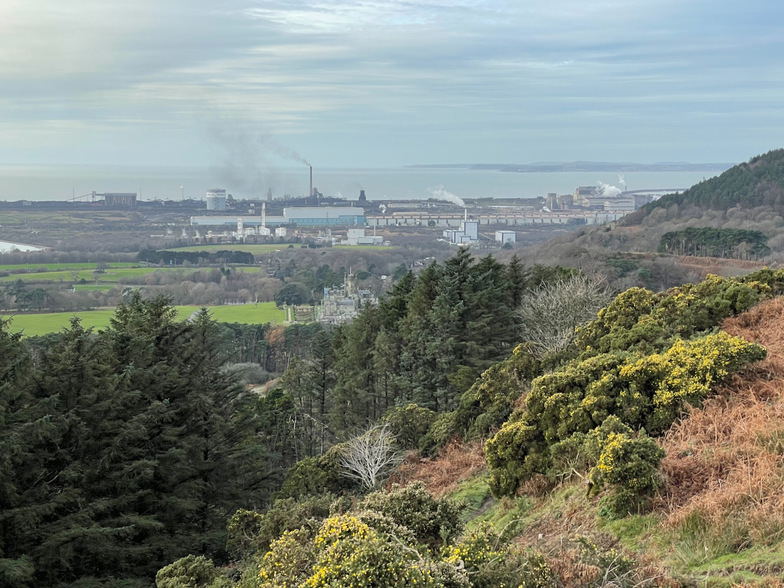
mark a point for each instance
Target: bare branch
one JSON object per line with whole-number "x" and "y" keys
{"x": 370, "y": 455}
{"x": 550, "y": 315}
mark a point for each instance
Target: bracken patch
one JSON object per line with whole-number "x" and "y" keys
{"x": 725, "y": 461}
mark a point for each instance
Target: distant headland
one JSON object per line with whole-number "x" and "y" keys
{"x": 583, "y": 166}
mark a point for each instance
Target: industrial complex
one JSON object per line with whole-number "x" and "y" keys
{"x": 587, "y": 205}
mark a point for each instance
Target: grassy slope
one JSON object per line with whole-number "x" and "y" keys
{"x": 44, "y": 323}
{"x": 718, "y": 520}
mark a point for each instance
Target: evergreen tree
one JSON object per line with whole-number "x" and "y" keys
{"x": 355, "y": 402}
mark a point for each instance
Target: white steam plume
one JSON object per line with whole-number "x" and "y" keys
{"x": 622, "y": 181}
{"x": 608, "y": 191}
{"x": 439, "y": 193}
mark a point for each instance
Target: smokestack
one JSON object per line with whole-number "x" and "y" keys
{"x": 263, "y": 214}
{"x": 311, "y": 181}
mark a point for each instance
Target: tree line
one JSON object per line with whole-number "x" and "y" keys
{"x": 710, "y": 242}
{"x": 760, "y": 182}
{"x": 125, "y": 449}
{"x": 166, "y": 257}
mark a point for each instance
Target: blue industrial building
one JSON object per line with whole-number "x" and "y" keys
{"x": 304, "y": 216}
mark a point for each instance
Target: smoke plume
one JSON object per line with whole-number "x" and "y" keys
{"x": 608, "y": 191}
{"x": 249, "y": 160}
{"x": 439, "y": 193}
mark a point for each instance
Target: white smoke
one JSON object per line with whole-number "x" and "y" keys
{"x": 439, "y": 193}
{"x": 622, "y": 181}
{"x": 608, "y": 191}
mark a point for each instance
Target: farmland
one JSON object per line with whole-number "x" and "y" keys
{"x": 127, "y": 273}
{"x": 266, "y": 248}
{"x": 44, "y": 323}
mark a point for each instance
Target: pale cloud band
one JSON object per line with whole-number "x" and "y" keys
{"x": 390, "y": 82}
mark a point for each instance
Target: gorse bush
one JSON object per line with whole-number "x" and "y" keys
{"x": 683, "y": 375}
{"x": 190, "y": 572}
{"x": 249, "y": 531}
{"x": 627, "y": 462}
{"x": 403, "y": 537}
{"x": 491, "y": 564}
{"x": 487, "y": 404}
{"x": 639, "y": 320}
{"x": 347, "y": 552}
{"x": 643, "y": 391}
{"x": 432, "y": 520}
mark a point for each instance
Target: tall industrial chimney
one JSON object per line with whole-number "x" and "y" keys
{"x": 311, "y": 181}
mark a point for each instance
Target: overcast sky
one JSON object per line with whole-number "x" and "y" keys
{"x": 359, "y": 83}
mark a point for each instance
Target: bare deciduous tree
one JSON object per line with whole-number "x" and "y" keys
{"x": 370, "y": 455}
{"x": 550, "y": 315}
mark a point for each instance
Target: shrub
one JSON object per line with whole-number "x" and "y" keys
{"x": 316, "y": 475}
{"x": 642, "y": 391}
{"x": 353, "y": 554}
{"x": 348, "y": 552}
{"x": 639, "y": 320}
{"x": 289, "y": 560}
{"x": 188, "y": 572}
{"x": 249, "y": 531}
{"x": 685, "y": 374}
{"x": 409, "y": 423}
{"x": 444, "y": 429}
{"x": 491, "y": 563}
{"x": 432, "y": 520}
{"x": 487, "y": 404}
{"x": 627, "y": 462}
{"x": 514, "y": 454}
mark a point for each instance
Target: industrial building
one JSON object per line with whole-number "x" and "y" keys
{"x": 467, "y": 233}
{"x": 120, "y": 199}
{"x": 358, "y": 237}
{"x": 505, "y": 237}
{"x": 323, "y": 216}
{"x": 305, "y": 216}
{"x": 216, "y": 200}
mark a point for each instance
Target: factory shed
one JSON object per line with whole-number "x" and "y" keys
{"x": 320, "y": 216}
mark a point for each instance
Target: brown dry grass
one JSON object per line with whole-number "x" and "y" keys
{"x": 455, "y": 463}
{"x": 725, "y": 461}
{"x": 700, "y": 267}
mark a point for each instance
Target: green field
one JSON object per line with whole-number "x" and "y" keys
{"x": 263, "y": 248}
{"x": 133, "y": 274}
{"x": 44, "y": 323}
{"x": 50, "y": 267}
{"x": 93, "y": 287}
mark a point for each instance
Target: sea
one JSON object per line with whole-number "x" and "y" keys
{"x": 69, "y": 182}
